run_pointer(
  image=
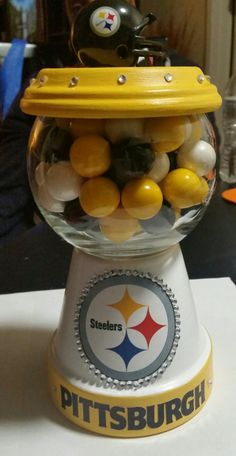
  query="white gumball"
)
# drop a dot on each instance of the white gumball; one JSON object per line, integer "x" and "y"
{"x": 118, "y": 130}
{"x": 63, "y": 183}
{"x": 160, "y": 167}
{"x": 40, "y": 172}
{"x": 199, "y": 157}
{"x": 47, "y": 201}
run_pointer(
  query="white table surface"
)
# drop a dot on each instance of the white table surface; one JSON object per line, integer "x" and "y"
{"x": 28, "y": 52}
{"x": 29, "y": 423}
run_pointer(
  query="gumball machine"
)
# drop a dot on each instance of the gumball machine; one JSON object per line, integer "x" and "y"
{"x": 122, "y": 165}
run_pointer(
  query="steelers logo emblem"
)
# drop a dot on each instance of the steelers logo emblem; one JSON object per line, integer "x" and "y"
{"x": 127, "y": 326}
{"x": 105, "y": 21}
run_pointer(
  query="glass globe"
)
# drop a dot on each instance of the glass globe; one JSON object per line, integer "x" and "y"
{"x": 122, "y": 187}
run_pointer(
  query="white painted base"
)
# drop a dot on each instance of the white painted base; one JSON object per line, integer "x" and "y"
{"x": 194, "y": 344}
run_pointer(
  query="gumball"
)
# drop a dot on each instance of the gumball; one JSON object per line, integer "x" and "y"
{"x": 200, "y": 157}
{"x": 56, "y": 146}
{"x": 76, "y": 217}
{"x": 47, "y": 201}
{"x": 160, "y": 167}
{"x": 193, "y": 129}
{"x": 90, "y": 155}
{"x": 142, "y": 198}
{"x": 40, "y": 172}
{"x": 63, "y": 183}
{"x": 173, "y": 160}
{"x": 119, "y": 226}
{"x": 182, "y": 188}
{"x": 204, "y": 188}
{"x": 131, "y": 159}
{"x": 117, "y": 130}
{"x": 84, "y": 127}
{"x": 99, "y": 197}
{"x": 166, "y": 133}
{"x": 161, "y": 222}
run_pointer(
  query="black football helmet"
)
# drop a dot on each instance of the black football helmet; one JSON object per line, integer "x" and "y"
{"x": 107, "y": 33}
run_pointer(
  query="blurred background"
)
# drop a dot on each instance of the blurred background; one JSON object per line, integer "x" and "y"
{"x": 203, "y": 31}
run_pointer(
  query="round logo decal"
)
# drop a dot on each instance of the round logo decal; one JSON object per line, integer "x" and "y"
{"x": 105, "y": 21}
{"x": 128, "y": 326}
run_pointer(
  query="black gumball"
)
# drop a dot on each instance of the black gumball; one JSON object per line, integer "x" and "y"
{"x": 76, "y": 217}
{"x": 173, "y": 160}
{"x": 131, "y": 159}
{"x": 57, "y": 145}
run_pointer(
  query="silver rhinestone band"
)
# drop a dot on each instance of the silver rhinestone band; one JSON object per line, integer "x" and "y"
{"x": 114, "y": 383}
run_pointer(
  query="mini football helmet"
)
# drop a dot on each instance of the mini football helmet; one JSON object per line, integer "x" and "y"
{"x": 107, "y": 33}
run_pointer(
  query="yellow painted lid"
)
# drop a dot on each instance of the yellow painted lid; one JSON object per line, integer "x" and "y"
{"x": 120, "y": 92}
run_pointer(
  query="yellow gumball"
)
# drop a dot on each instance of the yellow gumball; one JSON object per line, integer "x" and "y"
{"x": 205, "y": 188}
{"x": 119, "y": 226}
{"x": 194, "y": 130}
{"x": 142, "y": 198}
{"x": 182, "y": 188}
{"x": 166, "y": 133}
{"x": 99, "y": 197}
{"x": 81, "y": 127}
{"x": 90, "y": 155}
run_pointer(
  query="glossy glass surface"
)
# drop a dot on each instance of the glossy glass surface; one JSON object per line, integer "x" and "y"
{"x": 122, "y": 187}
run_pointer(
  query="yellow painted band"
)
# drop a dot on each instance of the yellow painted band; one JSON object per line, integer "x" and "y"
{"x": 133, "y": 415}
{"x": 97, "y": 93}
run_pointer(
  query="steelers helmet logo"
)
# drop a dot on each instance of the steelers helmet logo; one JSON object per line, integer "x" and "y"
{"x": 105, "y": 21}
{"x": 127, "y": 327}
